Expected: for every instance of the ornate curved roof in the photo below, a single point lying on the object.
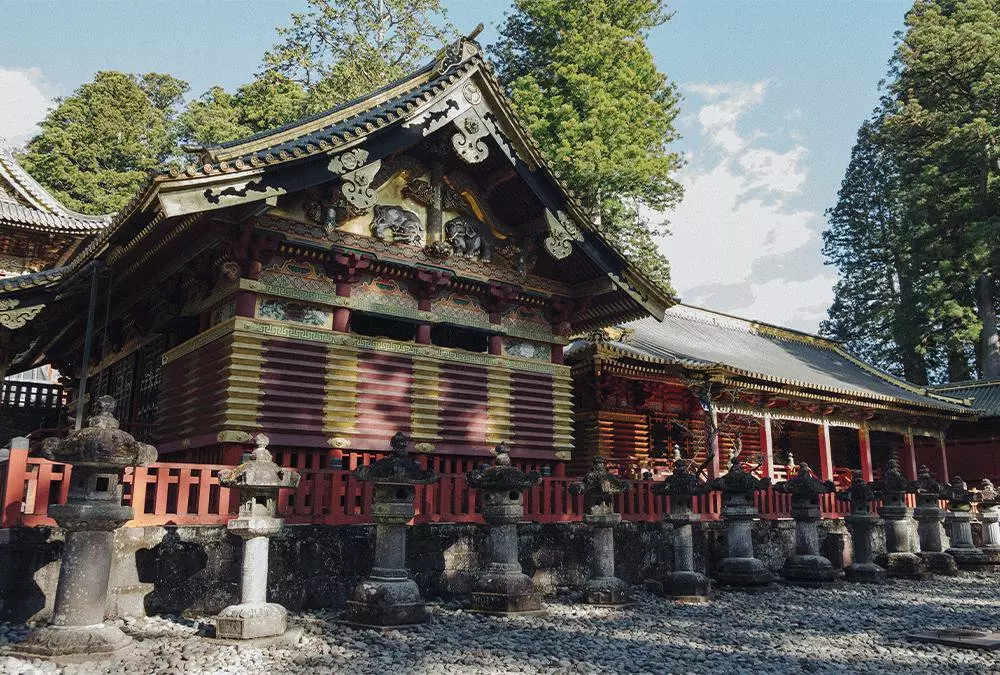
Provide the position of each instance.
(985, 394)
(25, 204)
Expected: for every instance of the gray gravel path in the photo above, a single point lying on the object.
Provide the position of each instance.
(854, 629)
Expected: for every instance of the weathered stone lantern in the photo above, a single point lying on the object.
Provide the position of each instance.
(930, 518)
(806, 566)
(899, 560)
(599, 489)
(862, 524)
(502, 588)
(388, 597)
(98, 453)
(960, 501)
(258, 479)
(989, 516)
(740, 567)
(684, 584)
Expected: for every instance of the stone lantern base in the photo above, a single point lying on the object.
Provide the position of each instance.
(866, 573)
(970, 558)
(939, 562)
(386, 602)
(606, 591)
(76, 643)
(904, 565)
(251, 620)
(811, 570)
(688, 587)
(511, 593)
(743, 572)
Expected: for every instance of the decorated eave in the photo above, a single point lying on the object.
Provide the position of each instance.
(351, 141)
(984, 395)
(26, 205)
(772, 361)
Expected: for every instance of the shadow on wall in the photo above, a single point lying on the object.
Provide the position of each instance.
(29, 559)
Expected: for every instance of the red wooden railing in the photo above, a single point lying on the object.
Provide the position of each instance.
(190, 494)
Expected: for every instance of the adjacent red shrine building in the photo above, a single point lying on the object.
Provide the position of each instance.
(974, 447)
(649, 389)
(404, 262)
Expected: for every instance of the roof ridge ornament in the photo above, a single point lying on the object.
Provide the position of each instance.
(458, 51)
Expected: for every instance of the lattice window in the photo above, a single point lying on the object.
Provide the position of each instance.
(148, 389)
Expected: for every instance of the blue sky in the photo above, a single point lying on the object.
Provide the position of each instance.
(774, 91)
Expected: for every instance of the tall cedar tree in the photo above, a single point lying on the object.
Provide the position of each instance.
(584, 80)
(337, 51)
(97, 146)
(944, 128)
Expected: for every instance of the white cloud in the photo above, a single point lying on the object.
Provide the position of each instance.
(738, 242)
(26, 98)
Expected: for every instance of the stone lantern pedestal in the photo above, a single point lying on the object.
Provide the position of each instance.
(599, 489)
(502, 588)
(862, 524)
(740, 568)
(989, 516)
(899, 560)
(806, 566)
(388, 597)
(960, 517)
(684, 584)
(258, 480)
(930, 530)
(98, 453)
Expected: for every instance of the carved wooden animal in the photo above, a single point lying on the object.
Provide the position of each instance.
(470, 237)
(404, 225)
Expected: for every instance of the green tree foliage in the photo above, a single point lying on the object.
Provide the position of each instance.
(938, 136)
(97, 146)
(584, 80)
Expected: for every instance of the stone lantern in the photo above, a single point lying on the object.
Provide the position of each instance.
(899, 560)
(862, 524)
(960, 501)
(806, 566)
(599, 489)
(98, 454)
(502, 588)
(740, 567)
(388, 597)
(258, 479)
(989, 515)
(684, 584)
(930, 531)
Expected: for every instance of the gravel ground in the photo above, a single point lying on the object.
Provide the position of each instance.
(856, 629)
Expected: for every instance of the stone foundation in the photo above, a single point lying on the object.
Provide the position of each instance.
(196, 570)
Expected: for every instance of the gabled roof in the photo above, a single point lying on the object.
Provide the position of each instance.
(984, 394)
(25, 204)
(700, 339)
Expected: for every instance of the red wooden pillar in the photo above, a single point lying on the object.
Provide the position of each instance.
(943, 458)
(12, 491)
(825, 452)
(424, 334)
(865, 449)
(767, 446)
(557, 354)
(909, 456)
(496, 345)
(341, 319)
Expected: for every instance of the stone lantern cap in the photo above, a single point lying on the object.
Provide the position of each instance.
(259, 474)
(927, 485)
(101, 443)
(960, 497)
(598, 482)
(805, 484)
(740, 480)
(681, 483)
(396, 468)
(893, 482)
(989, 494)
(860, 493)
(501, 475)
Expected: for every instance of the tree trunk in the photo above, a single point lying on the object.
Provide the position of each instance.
(958, 363)
(989, 342)
(905, 330)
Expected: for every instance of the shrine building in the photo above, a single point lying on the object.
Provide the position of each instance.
(648, 390)
(974, 447)
(403, 262)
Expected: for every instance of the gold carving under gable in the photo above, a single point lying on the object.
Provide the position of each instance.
(230, 436)
(338, 442)
(468, 142)
(562, 233)
(17, 318)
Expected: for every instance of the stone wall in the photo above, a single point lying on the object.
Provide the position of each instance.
(196, 570)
